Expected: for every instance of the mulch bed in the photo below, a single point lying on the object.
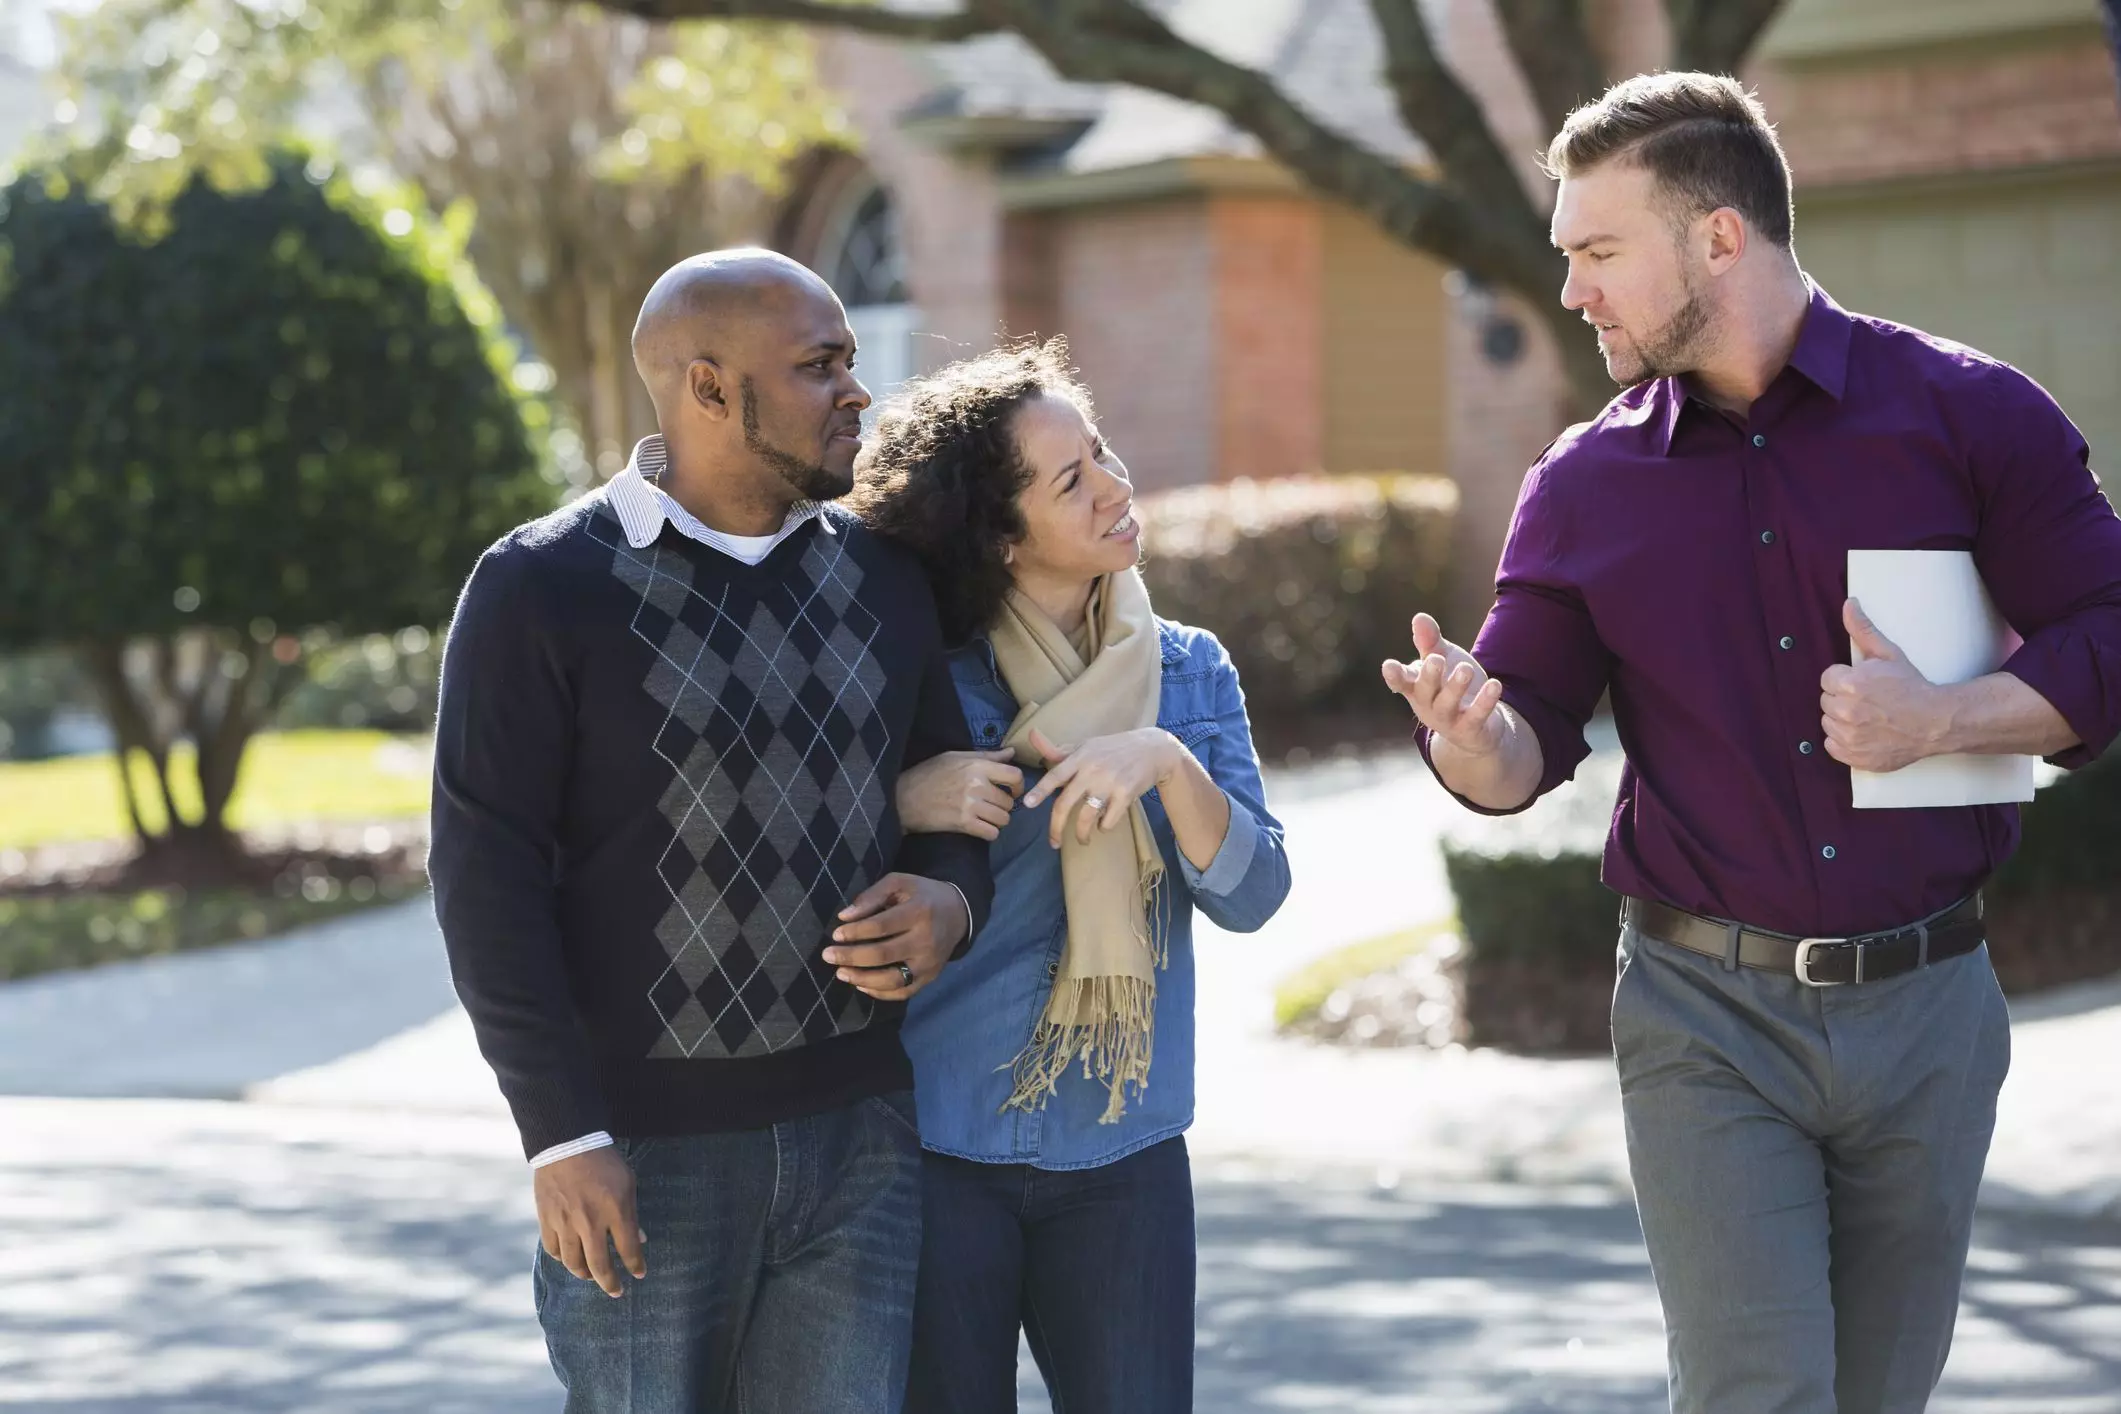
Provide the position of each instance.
(81, 905)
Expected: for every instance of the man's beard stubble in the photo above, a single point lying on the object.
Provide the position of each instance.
(1674, 347)
(813, 481)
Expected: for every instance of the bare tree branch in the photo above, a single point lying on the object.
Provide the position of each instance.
(1128, 45)
(1552, 46)
(1444, 115)
(1480, 218)
(1714, 36)
(876, 18)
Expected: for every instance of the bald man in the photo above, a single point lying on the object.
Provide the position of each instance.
(678, 903)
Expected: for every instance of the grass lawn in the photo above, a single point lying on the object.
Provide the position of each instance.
(1305, 990)
(288, 777)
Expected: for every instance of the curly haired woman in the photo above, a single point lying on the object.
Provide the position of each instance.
(1119, 790)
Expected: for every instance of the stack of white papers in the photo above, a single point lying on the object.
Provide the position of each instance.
(1933, 605)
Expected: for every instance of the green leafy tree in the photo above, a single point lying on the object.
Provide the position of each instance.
(286, 419)
(596, 150)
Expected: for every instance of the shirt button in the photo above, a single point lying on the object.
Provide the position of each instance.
(1785, 643)
(1759, 440)
(1053, 969)
(1804, 748)
(1767, 537)
(1826, 852)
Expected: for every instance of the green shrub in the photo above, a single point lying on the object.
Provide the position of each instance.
(1527, 885)
(1534, 915)
(385, 681)
(1539, 929)
(1310, 582)
(2071, 837)
(285, 420)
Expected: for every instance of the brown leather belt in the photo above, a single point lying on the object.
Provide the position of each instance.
(1816, 962)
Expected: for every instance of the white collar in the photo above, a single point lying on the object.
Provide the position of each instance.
(644, 507)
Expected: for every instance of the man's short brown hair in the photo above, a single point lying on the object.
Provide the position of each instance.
(1703, 137)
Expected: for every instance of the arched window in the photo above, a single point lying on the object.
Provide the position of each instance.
(861, 257)
(868, 269)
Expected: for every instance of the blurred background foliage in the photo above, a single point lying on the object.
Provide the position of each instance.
(285, 419)
(595, 150)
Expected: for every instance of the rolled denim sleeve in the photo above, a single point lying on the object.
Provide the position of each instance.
(1245, 883)
(2050, 553)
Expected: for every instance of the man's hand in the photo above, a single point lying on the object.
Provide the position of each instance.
(1448, 691)
(899, 919)
(585, 1208)
(961, 793)
(1879, 714)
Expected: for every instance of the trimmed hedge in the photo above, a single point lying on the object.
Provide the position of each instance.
(1540, 929)
(2055, 906)
(1310, 582)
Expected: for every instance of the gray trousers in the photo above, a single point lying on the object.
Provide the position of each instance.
(1805, 1164)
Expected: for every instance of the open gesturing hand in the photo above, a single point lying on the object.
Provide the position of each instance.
(1448, 691)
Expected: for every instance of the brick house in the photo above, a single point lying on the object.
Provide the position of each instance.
(1958, 165)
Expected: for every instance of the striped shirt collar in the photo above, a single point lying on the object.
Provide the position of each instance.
(643, 507)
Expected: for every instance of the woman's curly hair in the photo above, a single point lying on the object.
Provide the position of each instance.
(942, 470)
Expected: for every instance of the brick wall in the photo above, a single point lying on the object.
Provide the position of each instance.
(1135, 295)
(1269, 325)
(950, 217)
(2012, 104)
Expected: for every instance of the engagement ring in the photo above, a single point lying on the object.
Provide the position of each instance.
(905, 974)
(1096, 805)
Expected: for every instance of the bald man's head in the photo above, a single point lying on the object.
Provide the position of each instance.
(746, 352)
(713, 306)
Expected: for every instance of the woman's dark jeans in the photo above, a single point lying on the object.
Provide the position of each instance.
(1096, 1266)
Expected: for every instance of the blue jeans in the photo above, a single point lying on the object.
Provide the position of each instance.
(781, 1268)
(1096, 1265)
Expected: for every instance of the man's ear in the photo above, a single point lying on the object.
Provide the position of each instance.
(1726, 239)
(709, 388)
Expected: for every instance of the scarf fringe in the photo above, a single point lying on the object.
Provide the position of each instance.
(1119, 1036)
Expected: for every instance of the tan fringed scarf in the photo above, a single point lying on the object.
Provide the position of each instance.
(1103, 1005)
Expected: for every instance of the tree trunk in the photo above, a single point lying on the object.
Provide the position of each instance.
(608, 374)
(197, 851)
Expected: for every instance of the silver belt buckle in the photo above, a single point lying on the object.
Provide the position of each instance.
(1804, 960)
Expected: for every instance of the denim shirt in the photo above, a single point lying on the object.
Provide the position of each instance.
(964, 1030)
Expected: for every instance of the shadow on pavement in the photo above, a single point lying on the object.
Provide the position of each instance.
(231, 1268)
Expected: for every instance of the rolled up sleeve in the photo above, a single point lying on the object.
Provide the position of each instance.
(2049, 551)
(1247, 880)
(1539, 641)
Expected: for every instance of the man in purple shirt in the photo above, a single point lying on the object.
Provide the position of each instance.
(1809, 1036)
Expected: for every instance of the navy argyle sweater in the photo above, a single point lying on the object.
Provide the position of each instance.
(659, 775)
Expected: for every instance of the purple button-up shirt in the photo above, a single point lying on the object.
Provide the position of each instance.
(1697, 565)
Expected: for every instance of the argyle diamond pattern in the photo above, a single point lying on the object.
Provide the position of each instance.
(772, 731)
